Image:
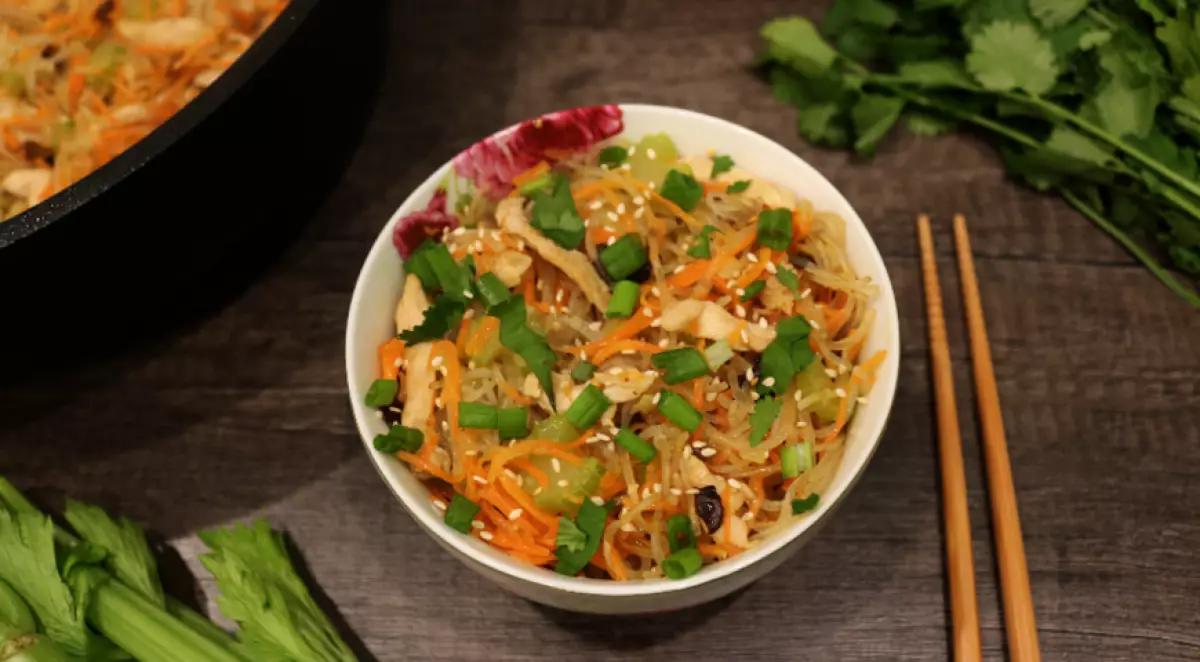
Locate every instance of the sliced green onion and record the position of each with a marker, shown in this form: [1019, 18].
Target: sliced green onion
[643, 450]
[460, 513]
[400, 438]
[789, 279]
[792, 459]
[516, 335]
[753, 289]
[738, 186]
[624, 299]
[679, 533]
[583, 371]
[588, 407]
[721, 163]
[702, 249]
[613, 156]
[540, 183]
[680, 365]
[718, 354]
[382, 392]
[808, 503]
[679, 411]
[682, 189]
[477, 415]
[491, 289]
[513, 422]
[775, 229]
[684, 563]
[624, 257]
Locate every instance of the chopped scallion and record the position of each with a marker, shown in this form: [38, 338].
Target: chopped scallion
[460, 513]
[491, 289]
[680, 365]
[382, 392]
[684, 563]
[679, 533]
[400, 438]
[478, 415]
[641, 449]
[679, 411]
[583, 371]
[808, 503]
[624, 299]
[796, 459]
[624, 257]
[775, 229]
[588, 407]
[513, 422]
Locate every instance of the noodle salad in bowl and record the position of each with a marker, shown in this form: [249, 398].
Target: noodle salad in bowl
[617, 358]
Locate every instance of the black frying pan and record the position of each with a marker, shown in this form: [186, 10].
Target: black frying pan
[220, 184]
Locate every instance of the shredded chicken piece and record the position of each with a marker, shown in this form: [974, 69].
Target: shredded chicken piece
[510, 266]
[777, 296]
[27, 183]
[410, 310]
[715, 323]
[577, 267]
[170, 33]
[418, 376]
[626, 385]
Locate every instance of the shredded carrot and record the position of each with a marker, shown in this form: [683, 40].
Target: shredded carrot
[528, 507]
[464, 330]
[75, 83]
[752, 272]
[691, 274]
[760, 493]
[633, 326]
[611, 485]
[618, 346]
[840, 421]
[389, 353]
[528, 287]
[503, 456]
[679, 213]
[587, 191]
[428, 467]
[531, 174]
[523, 464]
[512, 392]
[717, 549]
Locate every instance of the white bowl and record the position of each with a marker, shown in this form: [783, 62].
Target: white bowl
[371, 323]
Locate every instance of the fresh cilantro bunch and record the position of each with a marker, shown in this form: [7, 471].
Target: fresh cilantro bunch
[1098, 101]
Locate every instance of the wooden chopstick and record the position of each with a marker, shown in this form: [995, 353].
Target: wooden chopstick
[1010, 552]
[960, 563]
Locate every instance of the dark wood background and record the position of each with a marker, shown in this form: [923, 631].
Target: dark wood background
[243, 412]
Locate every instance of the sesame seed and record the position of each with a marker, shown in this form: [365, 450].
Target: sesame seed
[646, 493]
[510, 474]
[655, 291]
[601, 435]
[633, 488]
[554, 462]
[628, 527]
[651, 186]
[632, 150]
[677, 269]
[691, 490]
[621, 208]
[639, 212]
[745, 336]
[769, 381]
[740, 310]
[458, 232]
[612, 216]
[437, 361]
[471, 452]
[862, 400]
[749, 374]
[379, 414]
[664, 343]
[626, 166]
[611, 447]
[657, 397]
[735, 483]
[485, 535]
[807, 291]
[398, 361]
[476, 524]
[598, 501]
[611, 241]
[698, 444]
[752, 257]
[558, 296]
[762, 321]
[595, 326]
[516, 513]
[740, 292]
[468, 294]
[639, 200]
[799, 395]
[481, 480]
[537, 491]
[841, 368]
[841, 392]
[596, 205]
[656, 323]
[710, 397]
[615, 371]
[748, 516]
[437, 402]
[496, 235]
[564, 482]
[676, 491]
[801, 424]
[478, 246]
[469, 314]
[708, 452]
[647, 312]
[755, 395]
[831, 372]
[445, 425]
[439, 504]
[629, 351]
[771, 268]
[583, 355]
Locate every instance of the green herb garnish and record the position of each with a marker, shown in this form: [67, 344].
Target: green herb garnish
[444, 315]
[701, 249]
[738, 187]
[613, 156]
[382, 392]
[570, 537]
[766, 410]
[807, 504]
[460, 512]
[721, 163]
[682, 189]
[554, 214]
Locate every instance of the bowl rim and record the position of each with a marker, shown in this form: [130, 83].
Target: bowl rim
[164, 136]
[883, 392]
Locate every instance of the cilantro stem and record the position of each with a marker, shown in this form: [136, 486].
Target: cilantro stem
[1143, 256]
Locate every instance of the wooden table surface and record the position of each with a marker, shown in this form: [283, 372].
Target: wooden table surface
[244, 413]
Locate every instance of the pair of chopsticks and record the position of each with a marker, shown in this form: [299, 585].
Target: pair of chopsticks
[1010, 553]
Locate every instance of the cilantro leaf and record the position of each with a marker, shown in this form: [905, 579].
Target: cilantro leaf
[1009, 56]
[721, 163]
[702, 249]
[444, 315]
[682, 189]
[570, 537]
[874, 116]
[128, 557]
[555, 215]
[794, 41]
[1053, 13]
[766, 410]
[739, 186]
[824, 124]
[613, 156]
[524, 342]
[789, 278]
[262, 592]
[590, 521]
